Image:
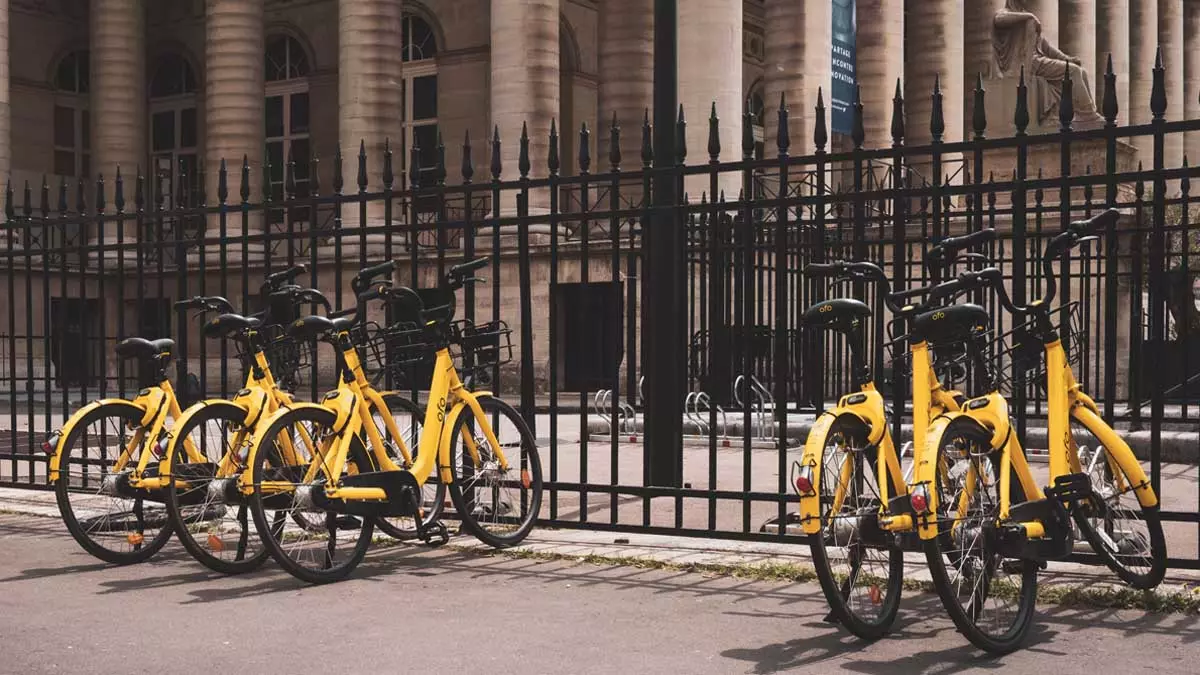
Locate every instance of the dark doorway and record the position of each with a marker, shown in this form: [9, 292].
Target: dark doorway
[77, 347]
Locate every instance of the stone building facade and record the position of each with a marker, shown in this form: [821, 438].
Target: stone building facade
[173, 85]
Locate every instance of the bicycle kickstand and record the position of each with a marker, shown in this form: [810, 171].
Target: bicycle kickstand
[434, 533]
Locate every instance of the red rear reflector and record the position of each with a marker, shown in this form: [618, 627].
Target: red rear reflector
[803, 485]
[920, 502]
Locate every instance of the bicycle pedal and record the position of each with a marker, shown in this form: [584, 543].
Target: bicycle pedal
[1071, 489]
[348, 523]
[434, 534]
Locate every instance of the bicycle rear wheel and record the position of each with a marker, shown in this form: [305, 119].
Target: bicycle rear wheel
[313, 544]
[989, 596]
[110, 520]
[1127, 536]
[497, 506]
[862, 580]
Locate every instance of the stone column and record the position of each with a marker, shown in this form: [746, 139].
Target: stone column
[879, 43]
[118, 99]
[234, 108]
[1112, 38]
[1191, 77]
[1170, 40]
[1077, 36]
[978, 19]
[1143, 41]
[525, 86]
[5, 106]
[708, 28]
[370, 97]
[626, 75]
[934, 34]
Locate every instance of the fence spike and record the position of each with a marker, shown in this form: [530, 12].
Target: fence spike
[748, 131]
[647, 140]
[440, 171]
[63, 205]
[979, 115]
[338, 180]
[414, 167]
[1021, 115]
[468, 166]
[1066, 106]
[820, 135]
[714, 135]
[389, 178]
[1158, 91]
[553, 163]
[222, 183]
[523, 163]
[101, 204]
[44, 198]
[119, 191]
[937, 118]
[614, 144]
[244, 187]
[680, 138]
[496, 164]
[858, 131]
[139, 191]
[898, 116]
[783, 134]
[362, 165]
[1109, 105]
[585, 148]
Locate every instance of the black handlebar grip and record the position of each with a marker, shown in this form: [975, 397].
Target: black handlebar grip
[1096, 224]
[286, 275]
[463, 269]
[823, 268]
[947, 249]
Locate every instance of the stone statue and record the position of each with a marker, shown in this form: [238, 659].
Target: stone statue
[1017, 41]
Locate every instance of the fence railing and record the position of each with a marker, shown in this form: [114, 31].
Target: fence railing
[86, 264]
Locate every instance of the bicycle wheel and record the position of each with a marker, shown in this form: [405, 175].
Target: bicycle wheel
[111, 521]
[311, 543]
[991, 598]
[499, 507]
[1128, 537]
[211, 517]
[861, 578]
[408, 416]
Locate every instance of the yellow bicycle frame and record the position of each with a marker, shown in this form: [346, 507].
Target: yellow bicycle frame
[352, 401]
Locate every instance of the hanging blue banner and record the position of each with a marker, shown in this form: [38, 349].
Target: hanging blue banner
[841, 90]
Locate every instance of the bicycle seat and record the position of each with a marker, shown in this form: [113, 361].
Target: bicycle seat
[141, 348]
[314, 326]
[955, 323]
[830, 313]
[226, 325]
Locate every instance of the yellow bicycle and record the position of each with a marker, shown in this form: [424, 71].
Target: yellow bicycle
[989, 526]
[496, 495]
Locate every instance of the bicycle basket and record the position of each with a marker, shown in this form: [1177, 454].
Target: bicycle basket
[1020, 351]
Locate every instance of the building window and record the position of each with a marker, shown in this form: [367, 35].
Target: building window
[287, 116]
[72, 125]
[174, 136]
[420, 92]
[758, 113]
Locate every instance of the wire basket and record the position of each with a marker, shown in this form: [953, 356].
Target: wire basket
[488, 345]
[403, 351]
[287, 357]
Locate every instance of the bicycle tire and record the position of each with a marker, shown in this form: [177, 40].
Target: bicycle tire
[530, 477]
[205, 552]
[397, 403]
[146, 547]
[836, 593]
[326, 573]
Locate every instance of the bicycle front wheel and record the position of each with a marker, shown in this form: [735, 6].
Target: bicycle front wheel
[111, 520]
[210, 515]
[499, 506]
[313, 544]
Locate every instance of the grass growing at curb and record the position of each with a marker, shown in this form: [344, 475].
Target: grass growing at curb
[1102, 597]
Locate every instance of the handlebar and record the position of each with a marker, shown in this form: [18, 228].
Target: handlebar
[945, 252]
[1072, 235]
[209, 303]
[362, 280]
[284, 276]
[464, 273]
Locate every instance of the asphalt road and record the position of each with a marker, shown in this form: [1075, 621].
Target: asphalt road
[409, 609]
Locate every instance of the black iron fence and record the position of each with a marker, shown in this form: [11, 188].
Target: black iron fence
[86, 264]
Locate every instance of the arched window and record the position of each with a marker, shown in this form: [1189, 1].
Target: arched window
[287, 114]
[420, 91]
[72, 124]
[174, 133]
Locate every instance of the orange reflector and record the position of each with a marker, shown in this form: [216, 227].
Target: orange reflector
[134, 539]
[215, 543]
[876, 595]
[526, 480]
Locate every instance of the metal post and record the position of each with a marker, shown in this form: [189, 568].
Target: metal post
[663, 330]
